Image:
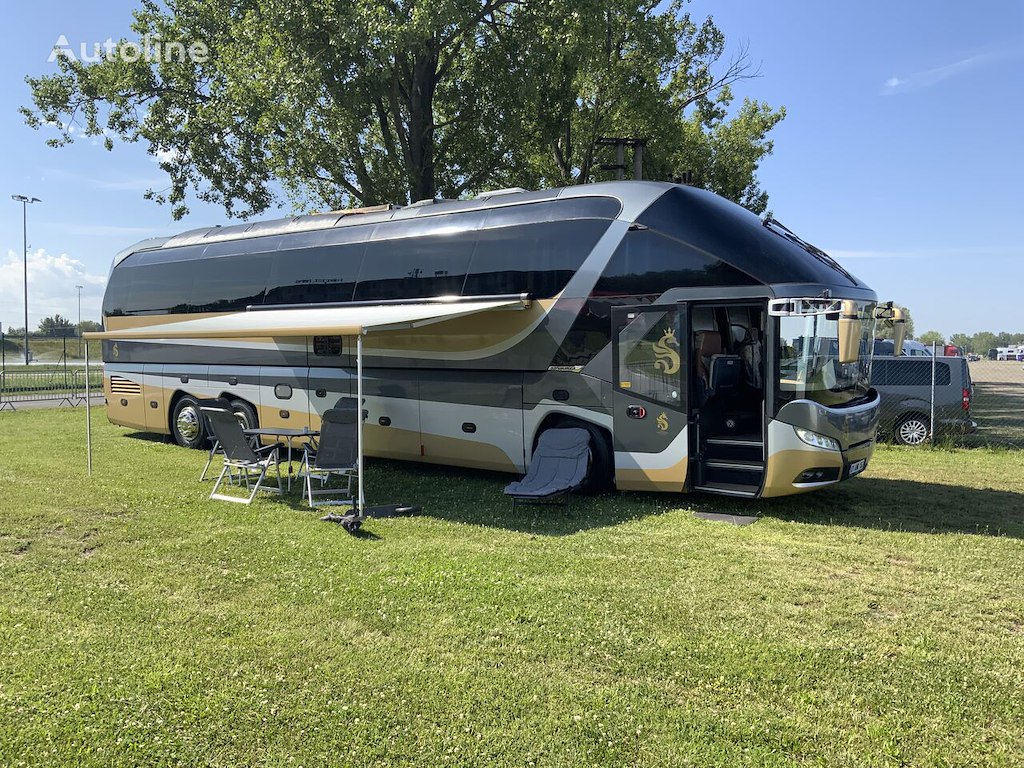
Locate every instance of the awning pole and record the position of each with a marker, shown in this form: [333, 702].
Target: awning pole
[359, 431]
[88, 413]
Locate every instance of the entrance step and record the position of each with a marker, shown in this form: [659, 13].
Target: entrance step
[734, 447]
[729, 489]
[743, 472]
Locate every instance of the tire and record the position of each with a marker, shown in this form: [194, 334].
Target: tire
[601, 472]
[245, 414]
[911, 430]
[188, 428]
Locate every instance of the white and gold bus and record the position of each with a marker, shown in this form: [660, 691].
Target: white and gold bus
[699, 345]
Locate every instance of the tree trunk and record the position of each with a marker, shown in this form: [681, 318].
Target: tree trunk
[422, 185]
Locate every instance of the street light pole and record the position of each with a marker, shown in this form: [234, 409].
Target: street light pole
[79, 287]
[25, 200]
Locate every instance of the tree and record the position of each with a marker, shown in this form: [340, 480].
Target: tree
[618, 69]
[983, 341]
[884, 331]
[342, 102]
[89, 326]
[965, 342]
[931, 337]
[56, 326]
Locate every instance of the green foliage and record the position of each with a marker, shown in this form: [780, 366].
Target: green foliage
[963, 341]
[931, 337]
[90, 326]
[56, 326]
[982, 341]
[340, 102]
[1004, 339]
[883, 331]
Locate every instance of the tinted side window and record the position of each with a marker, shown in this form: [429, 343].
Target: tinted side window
[647, 262]
[305, 275]
[156, 288]
[229, 283]
[917, 373]
[153, 282]
[415, 267]
[115, 297]
[590, 332]
[538, 259]
[728, 231]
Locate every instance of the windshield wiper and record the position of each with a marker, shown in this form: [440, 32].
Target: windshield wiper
[774, 225]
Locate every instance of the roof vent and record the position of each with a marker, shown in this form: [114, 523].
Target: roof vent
[423, 203]
[496, 192]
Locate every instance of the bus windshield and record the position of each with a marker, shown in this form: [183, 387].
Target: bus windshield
[809, 367]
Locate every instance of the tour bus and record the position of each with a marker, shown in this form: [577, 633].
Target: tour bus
[701, 347]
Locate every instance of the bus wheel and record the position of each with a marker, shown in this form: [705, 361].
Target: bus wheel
[245, 414]
[187, 424]
[600, 476]
[912, 430]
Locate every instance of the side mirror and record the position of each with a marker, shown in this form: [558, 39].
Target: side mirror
[849, 333]
[899, 330]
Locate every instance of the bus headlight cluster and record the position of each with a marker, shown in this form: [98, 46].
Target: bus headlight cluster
[818, 441]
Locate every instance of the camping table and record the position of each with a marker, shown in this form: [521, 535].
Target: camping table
[288, 435]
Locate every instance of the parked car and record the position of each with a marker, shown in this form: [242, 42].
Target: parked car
[905, 385]
[910, 347]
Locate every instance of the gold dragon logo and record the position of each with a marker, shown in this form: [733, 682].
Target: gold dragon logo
[662, 422]
[668, 358]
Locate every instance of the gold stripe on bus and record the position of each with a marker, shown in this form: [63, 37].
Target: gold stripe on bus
[125, 322]
[670, 479]
[471, 333]
[784, 467]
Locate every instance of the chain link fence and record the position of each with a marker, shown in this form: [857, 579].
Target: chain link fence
[998, 402]
[933, 398]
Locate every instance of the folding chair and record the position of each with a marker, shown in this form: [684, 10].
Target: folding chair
[213, 402]
[559, 467]
[335, 453]
[240, 457]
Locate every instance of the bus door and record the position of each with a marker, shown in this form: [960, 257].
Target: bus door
[650, 404]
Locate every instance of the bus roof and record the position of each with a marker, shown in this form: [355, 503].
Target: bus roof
[634, 196]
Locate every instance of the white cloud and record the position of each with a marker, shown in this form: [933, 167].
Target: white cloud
[51, 288]
[166, 156]
[926, 78]
[964, 253]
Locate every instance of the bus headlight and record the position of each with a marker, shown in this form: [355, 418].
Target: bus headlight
[818, 441]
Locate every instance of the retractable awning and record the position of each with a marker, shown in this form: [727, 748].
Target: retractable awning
[349, 320]
[313, 321]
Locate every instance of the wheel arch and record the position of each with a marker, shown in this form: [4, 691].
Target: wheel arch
[602, 453]
[181, 393]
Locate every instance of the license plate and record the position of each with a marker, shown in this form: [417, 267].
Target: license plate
[858, 466]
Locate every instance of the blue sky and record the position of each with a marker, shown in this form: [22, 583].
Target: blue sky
[902, 153]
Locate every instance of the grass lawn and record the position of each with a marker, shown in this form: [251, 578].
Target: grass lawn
[878, 623]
